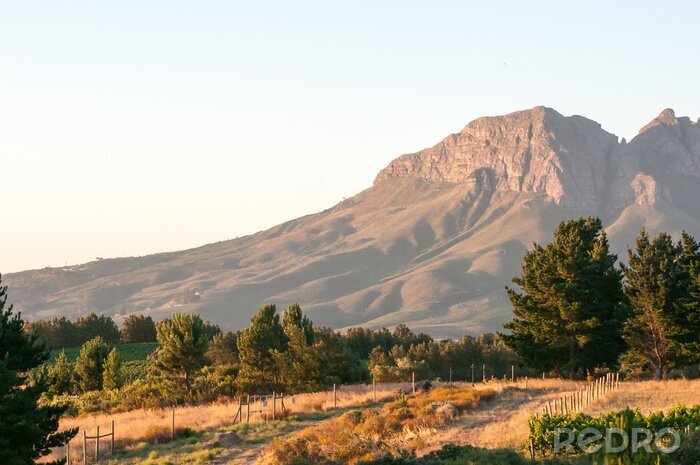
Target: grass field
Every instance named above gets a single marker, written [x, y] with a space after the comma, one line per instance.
[129, 352]
[214, 439]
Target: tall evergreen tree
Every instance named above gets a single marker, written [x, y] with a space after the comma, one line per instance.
[27, 431]
[689, 304]
[112, 378]
[184, 340]
[659, 329]
[89, 367]
[255, 345]
[301, 366]
[569, 310]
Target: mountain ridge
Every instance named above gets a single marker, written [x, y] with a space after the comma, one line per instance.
[432, 243]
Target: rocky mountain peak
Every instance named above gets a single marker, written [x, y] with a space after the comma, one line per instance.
[667, 117]
[570, 160]
[536, 150]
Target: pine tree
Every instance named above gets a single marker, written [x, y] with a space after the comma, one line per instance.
[293, 318]
[138, 328]
[301, 366]
[60, 375]
[259, 372]
[659, 329]
[89, 367]
[112, 377]
[692, 306]
[689, 304]
[570, 309]
[27, 431]
[183, 342]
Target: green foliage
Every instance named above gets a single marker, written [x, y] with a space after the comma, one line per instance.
[570, 311]
[259, 371]
[429, 359]
[293, 320]
[27, 431]
[89, 367]
[112, 377]
[542, 429]
[212, 382]
[313, 358]
[223, 350]
[61, 333]
[452, 454]
[363, 340]
[138, 328]
[689, 452]
[662, 331]
[60, 376]
[183, 342]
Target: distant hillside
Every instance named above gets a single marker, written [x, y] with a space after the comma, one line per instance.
[431, 244]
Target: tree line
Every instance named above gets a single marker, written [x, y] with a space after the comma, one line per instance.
[62, 333]
[197, 362]
[576, 310]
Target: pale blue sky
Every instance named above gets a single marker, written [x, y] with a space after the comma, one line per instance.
[131, 127]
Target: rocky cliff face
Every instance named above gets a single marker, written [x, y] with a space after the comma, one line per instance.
[431, 244]
[571, 159]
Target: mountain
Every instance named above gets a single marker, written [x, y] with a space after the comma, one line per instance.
[432, 243]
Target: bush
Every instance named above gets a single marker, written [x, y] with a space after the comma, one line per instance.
[689, 452]
[452, 454]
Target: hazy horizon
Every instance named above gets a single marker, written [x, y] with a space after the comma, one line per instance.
[131, 128]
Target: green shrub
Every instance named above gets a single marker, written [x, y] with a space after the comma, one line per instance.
[689, 452]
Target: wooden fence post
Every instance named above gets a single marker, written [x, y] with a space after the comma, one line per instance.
[374, 389]
[172, 424]
[247, 415]
[512, 373]
[84, 447]
[112, 445]
[274, 406]
[97, 446]
[335, 398]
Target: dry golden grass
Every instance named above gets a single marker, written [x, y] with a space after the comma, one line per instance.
[407, 424]
[503, 423]
[137, 425]
[649, 396]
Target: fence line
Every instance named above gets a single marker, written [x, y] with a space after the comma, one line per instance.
[583, 397]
